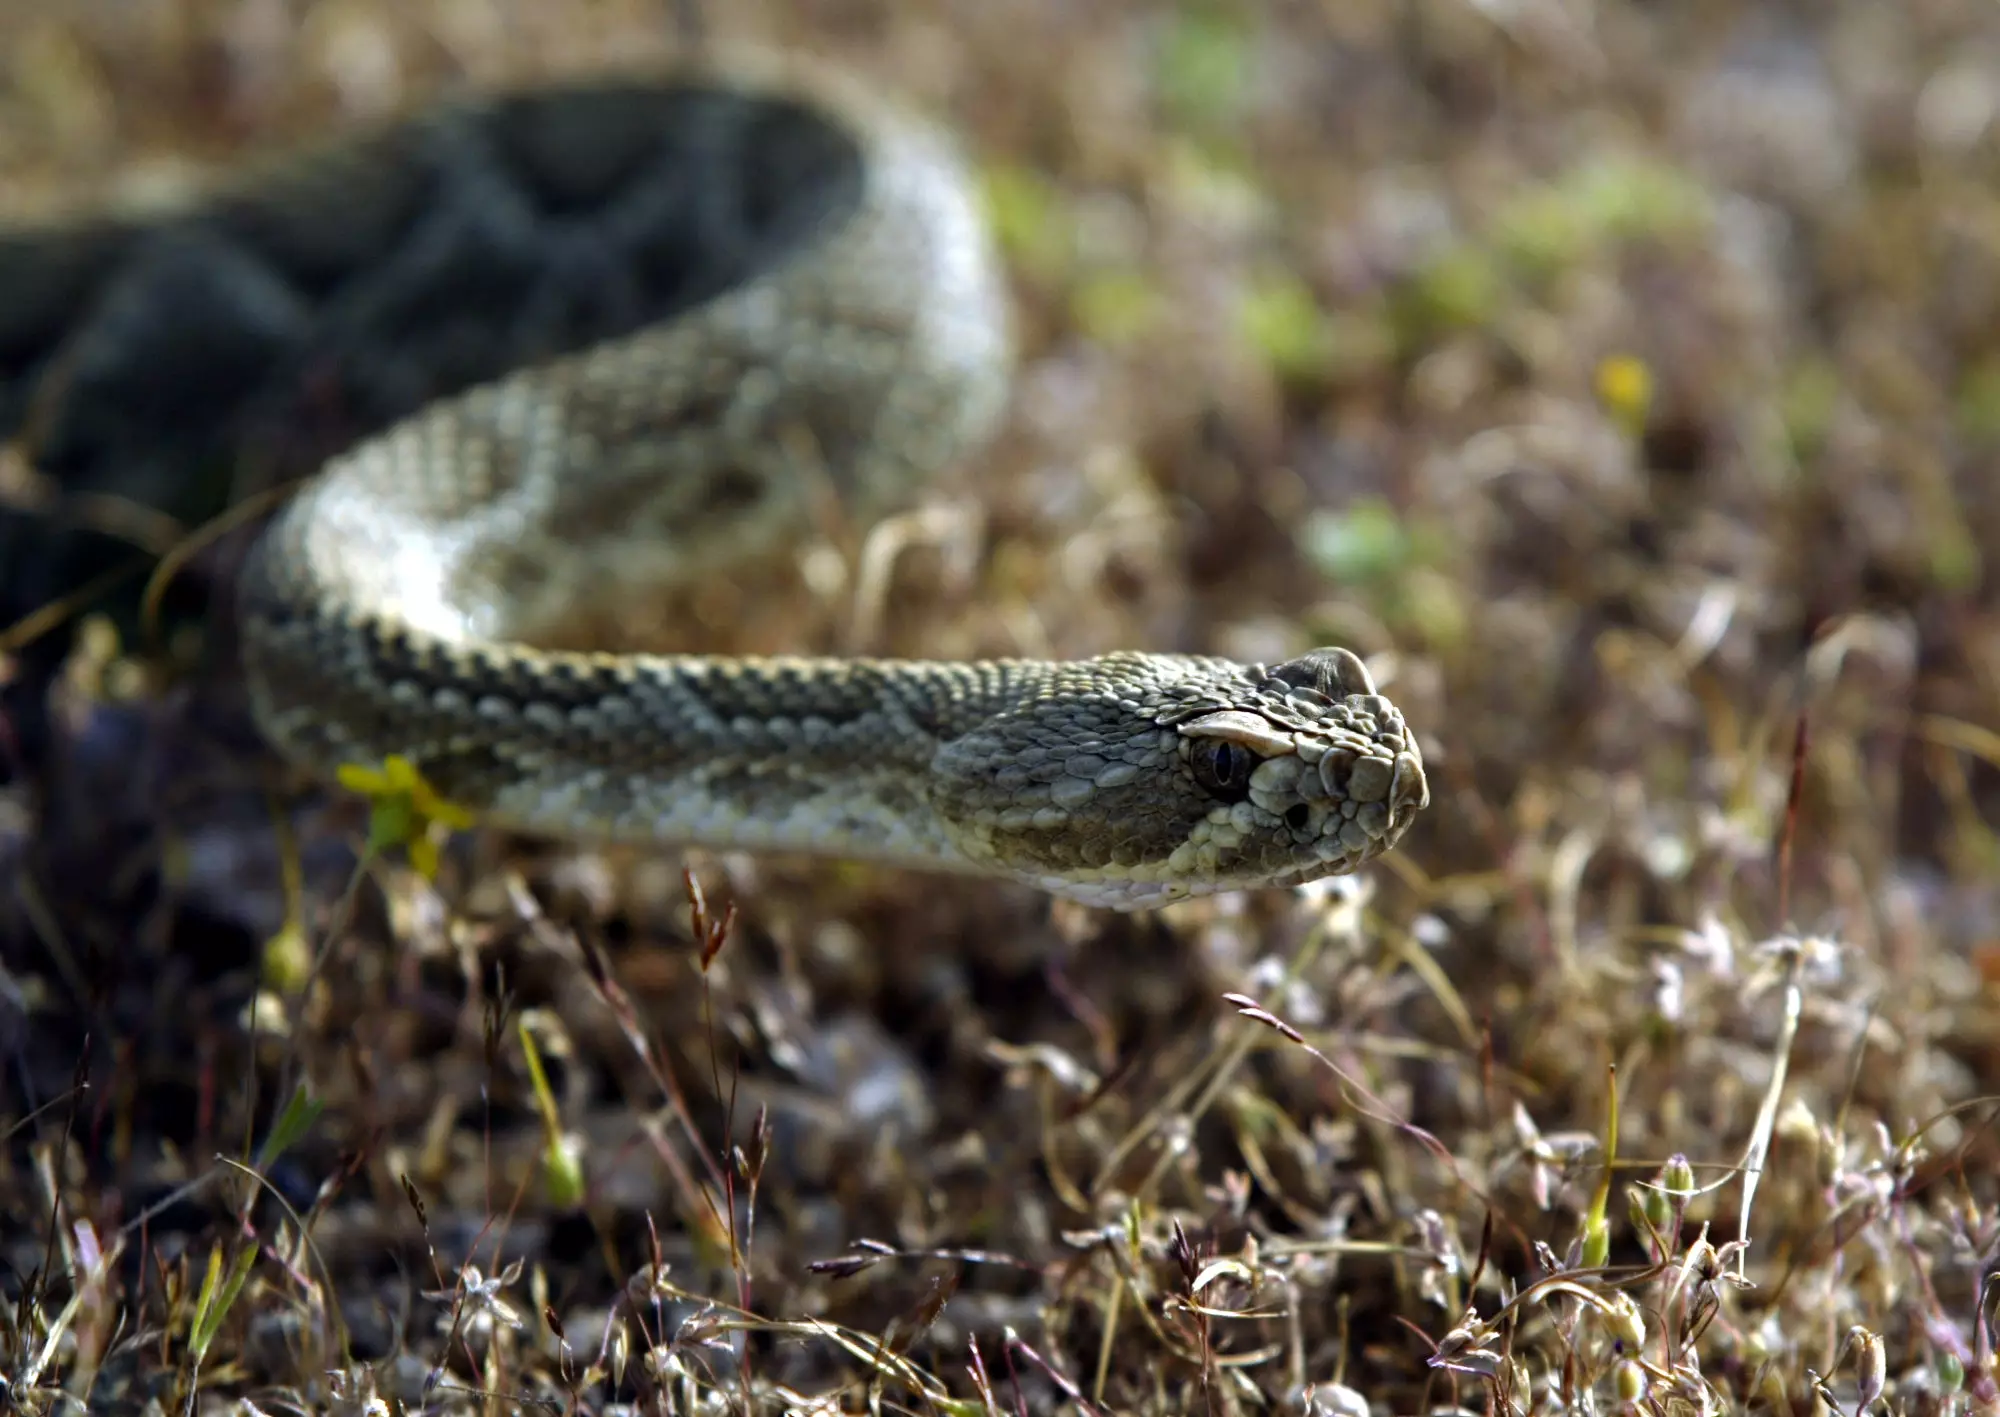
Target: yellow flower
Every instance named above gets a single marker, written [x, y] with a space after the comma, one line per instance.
[1625, 387]
[405, 810]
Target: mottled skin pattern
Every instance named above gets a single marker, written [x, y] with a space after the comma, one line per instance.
[858, 345]
[1075, 776]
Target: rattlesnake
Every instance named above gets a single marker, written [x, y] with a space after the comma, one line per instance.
[821, 310]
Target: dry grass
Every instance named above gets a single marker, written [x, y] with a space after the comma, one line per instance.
[1626, 379]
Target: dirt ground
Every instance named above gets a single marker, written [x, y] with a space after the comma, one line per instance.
[1622, 379]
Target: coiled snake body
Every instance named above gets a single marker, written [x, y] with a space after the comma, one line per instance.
[827, 313]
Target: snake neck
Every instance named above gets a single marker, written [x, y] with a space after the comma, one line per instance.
[791, 755]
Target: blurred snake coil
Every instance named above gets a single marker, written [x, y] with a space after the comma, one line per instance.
[612, 336]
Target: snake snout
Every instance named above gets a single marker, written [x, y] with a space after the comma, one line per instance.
[1313, 773]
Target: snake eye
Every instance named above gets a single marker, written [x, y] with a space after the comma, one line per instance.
[1222, 767]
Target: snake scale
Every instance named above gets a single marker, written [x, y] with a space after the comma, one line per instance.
[821, 308]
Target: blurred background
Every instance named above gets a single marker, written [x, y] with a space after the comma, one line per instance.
[1623, 379]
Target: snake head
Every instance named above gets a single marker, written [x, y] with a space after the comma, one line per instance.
[1154, 778]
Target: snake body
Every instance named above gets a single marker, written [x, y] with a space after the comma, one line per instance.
[840, 327]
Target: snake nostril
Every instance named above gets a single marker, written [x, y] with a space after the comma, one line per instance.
[1297, 816]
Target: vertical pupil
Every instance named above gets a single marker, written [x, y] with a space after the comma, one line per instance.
[1223, 769]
